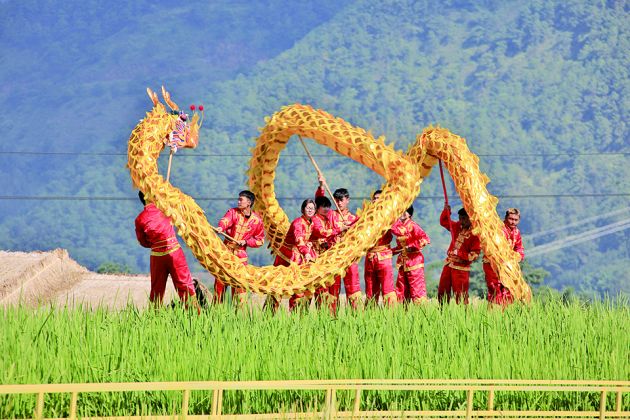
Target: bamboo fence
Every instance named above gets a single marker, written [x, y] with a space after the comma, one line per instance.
[330, 387]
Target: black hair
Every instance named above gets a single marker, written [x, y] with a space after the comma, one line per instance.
[141, 197]
[375, 193]
[306, 203]
[410, 210]
[249, 195]
[462, 212]
[341, 193]
[322, 202]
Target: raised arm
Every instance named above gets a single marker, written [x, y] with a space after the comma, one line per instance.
[445, 218]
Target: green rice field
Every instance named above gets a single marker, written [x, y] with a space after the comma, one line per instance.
[550, 340]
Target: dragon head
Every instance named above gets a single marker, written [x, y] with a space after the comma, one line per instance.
[183, 131]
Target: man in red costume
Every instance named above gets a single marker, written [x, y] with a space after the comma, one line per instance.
[154, 230]
[463, 250]
[497, 293]
[296, 249]
[410, 239]
[378, 273]
[245, 226]
[340, 220]
[323, 236]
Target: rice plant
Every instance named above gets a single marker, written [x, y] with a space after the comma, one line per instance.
[545, 340]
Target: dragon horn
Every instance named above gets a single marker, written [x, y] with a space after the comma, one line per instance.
[167, 99]
[153, 96]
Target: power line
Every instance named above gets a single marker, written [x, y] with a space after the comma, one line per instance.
[578, 223]
[304, 155]
[579, 238]
[421, 197]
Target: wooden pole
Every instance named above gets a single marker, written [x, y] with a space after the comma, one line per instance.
[170, 161]
[319, 172]
[223, 233]
[443, 183]
[445, 196]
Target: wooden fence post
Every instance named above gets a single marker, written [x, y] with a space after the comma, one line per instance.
[469, 404]
[491, 399]
[185, 399]
[73, 405]
[330, 403]
[602, 405]
[217, 402]
[357, 403]
[39, 408]
[220, 402]
[215, 398]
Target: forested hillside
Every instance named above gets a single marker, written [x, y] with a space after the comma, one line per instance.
[539, 90]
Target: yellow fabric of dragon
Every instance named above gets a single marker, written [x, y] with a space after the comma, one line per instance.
[404, 173]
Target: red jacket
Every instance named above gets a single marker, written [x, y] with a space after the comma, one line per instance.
[296, 244]
[335, 219]
[514, 238]
[464, 248]
[322, 234]
[410, 239]
[238, 226]
[154, 230]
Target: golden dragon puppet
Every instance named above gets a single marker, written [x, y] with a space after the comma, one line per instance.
[404, 173]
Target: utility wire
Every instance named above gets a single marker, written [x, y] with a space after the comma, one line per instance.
[421, 197]
[304, 155]
[578, 223]
[579, 238]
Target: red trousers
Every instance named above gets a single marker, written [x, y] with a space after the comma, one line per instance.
[331, 293]
[411, 286]
[378, 279]
[302, 299]
[497, 293]
[219, 291]
[453, 281]
[175, 265]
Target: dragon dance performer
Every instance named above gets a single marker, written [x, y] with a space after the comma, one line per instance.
[410, 239]
[154, 230]
[462, 251]
[296, 249]
[497, 293]
[323, 237]
[245, 226]
[378, 274]
[341, 220]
